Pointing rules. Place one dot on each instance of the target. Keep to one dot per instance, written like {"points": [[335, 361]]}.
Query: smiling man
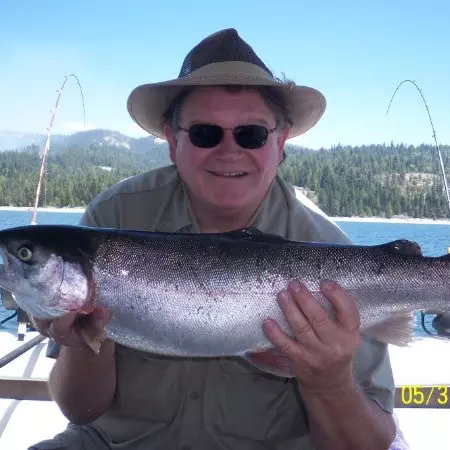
{"points": [[225, 184], [226, 120]]}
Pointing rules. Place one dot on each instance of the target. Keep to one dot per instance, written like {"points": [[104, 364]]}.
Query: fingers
{"points": [[314, 321], [65, 330], [295, 317], [60, 328], [307, 317], [320, 348], [311, 323], [287, 345], [347, 314]]}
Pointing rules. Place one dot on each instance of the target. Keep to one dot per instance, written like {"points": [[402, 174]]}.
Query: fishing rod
{"points": [[47, 142], [441, 322], [441, 162], [5, 294]]}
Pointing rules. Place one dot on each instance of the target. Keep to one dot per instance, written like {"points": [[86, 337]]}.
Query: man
{"points": [[226, 120]]}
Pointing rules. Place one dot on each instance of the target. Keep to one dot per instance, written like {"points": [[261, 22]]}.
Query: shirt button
{"points": [[194, 396]]}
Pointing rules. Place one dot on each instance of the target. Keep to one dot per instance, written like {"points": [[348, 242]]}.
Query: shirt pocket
{"points": [[246, 403], [149, 386]]}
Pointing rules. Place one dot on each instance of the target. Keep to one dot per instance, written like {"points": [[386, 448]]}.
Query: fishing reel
{"points": [[440, 323]]}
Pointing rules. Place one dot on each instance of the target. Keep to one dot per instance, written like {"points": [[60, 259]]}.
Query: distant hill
{"points": [[370, 180], [97, 148], [10, 140]]}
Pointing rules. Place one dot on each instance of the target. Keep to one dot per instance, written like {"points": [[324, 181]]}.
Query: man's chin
{"points": [[231, 204]]}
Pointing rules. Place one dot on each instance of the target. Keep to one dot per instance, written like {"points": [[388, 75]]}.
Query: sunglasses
{"points": [[246, 136]]}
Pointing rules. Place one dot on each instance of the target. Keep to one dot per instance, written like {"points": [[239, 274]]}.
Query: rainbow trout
{"points": [[206, 295]]}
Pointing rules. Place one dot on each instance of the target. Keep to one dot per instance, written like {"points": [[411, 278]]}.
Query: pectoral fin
{"points": [[93, 335], [93, 339]]}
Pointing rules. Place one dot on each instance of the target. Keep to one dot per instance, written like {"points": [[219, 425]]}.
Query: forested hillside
{"points": [[344, 181], [373, 180]]}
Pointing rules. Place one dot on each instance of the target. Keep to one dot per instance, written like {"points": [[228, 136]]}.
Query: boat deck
{"points": [[42, 419], [424, 363]]}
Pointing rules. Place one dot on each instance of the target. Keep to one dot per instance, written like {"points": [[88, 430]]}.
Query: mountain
{"points": [[12, 140], [383, 180], [107, 148], [99, 138]]}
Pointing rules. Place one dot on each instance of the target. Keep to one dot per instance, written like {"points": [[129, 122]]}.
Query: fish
{"points": [[207, 294]]}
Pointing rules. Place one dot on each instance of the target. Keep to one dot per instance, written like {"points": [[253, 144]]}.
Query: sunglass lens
{"points": [[205, 135], [251, 136]]}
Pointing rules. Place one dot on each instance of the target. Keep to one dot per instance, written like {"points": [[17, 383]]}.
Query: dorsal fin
{"points": [[404, 247], [253, 234]]}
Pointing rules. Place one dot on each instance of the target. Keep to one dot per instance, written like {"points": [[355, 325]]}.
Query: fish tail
{"points": [[399, 330], [395, 330]]}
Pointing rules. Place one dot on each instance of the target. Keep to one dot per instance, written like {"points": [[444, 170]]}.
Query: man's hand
{"points": [[320, 353], [74, 330], [322, 348]]}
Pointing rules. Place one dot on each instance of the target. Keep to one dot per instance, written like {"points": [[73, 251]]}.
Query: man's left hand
{"points": [[321, 349]]}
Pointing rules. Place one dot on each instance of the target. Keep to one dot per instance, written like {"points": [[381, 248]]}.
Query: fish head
{"points": [[47, 277]]}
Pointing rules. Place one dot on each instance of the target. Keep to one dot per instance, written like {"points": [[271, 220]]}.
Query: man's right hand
{"points": [[83, 379], [73, 329]]}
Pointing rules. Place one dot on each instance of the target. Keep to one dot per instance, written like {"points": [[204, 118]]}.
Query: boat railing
{"points": [[406, 396], [27, 388]]}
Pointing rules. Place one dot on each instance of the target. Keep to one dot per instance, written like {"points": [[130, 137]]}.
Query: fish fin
{"points": [[253, 234], [93, 338], [92, 335], [396, 330], [271, 361], [403, 247]]}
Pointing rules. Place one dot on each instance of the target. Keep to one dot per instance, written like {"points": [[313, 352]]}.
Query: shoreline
{"points": [[425, 221], [411, 220], [77, 209]]}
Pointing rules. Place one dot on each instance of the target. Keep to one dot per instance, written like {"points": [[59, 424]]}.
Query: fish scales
{"points": [[214, 289], [207, 295]]}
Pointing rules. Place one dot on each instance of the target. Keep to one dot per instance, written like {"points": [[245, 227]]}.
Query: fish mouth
{"points": [[4, 260], [8, 277]]}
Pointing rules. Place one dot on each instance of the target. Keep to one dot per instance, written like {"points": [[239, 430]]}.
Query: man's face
{"points": [[207, 171]]}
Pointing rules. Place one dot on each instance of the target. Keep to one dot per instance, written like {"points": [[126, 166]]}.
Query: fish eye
{"points": [[24, 254]]}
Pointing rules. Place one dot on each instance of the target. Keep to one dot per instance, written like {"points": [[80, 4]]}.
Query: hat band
{"points": [[230, 70]]}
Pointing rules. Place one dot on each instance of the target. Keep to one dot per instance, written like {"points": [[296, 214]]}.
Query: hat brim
{"points": [[147, 103]]}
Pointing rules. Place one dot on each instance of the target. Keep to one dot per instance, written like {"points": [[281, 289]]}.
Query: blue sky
{"points": [[355, 52]]}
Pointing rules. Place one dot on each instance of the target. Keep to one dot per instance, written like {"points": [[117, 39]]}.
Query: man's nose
{"points": [[228, 146]]}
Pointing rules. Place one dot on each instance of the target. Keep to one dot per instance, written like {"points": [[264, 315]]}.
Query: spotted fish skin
{"points": [[206, 295]]}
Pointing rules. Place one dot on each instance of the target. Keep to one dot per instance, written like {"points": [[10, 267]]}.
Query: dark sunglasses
{"points": [[209, 135]]}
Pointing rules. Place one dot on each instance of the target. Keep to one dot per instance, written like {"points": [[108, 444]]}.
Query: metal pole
{"points": [[21, 350]]}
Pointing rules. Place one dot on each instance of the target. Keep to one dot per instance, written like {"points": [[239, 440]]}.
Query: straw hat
{"points": [[222, 58]]}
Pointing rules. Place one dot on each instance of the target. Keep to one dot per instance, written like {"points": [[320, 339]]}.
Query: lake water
{"points": [[434, 239]]}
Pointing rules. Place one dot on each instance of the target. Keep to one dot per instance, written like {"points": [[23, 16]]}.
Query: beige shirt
{"points": [[213, 404]]}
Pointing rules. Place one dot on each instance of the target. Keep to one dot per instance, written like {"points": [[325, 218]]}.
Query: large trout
{"points": [[206, 295]]}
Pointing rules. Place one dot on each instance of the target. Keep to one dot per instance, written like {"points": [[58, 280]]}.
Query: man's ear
{"points": [[170, 134]]}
